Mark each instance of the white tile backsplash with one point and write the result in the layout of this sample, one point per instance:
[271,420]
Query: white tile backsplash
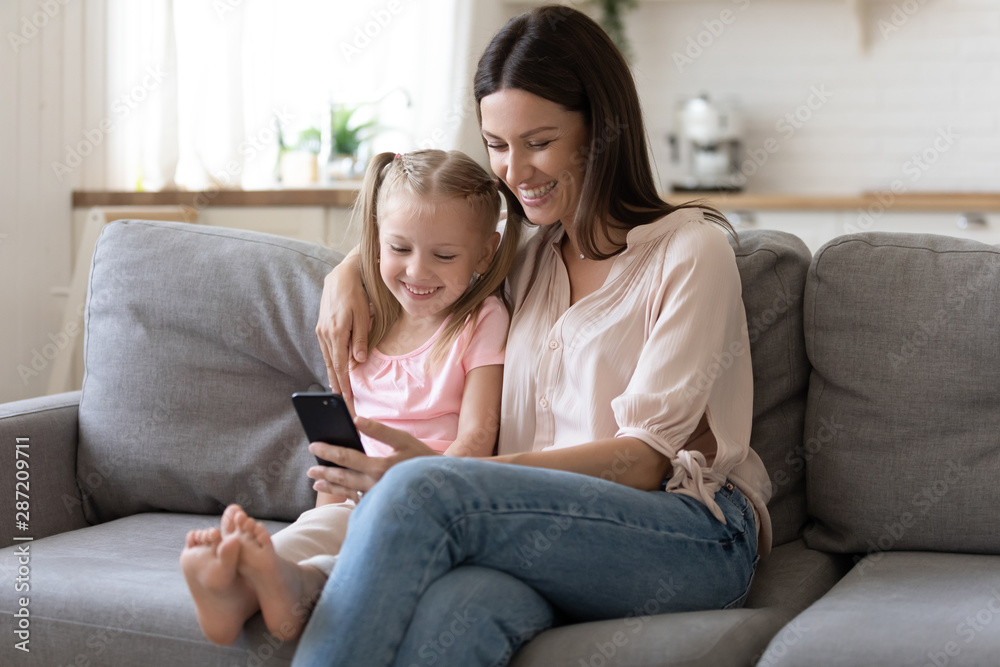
[940,69]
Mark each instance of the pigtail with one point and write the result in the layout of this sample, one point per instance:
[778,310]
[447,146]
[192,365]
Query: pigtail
[486,198]
[385,305]
[510,242]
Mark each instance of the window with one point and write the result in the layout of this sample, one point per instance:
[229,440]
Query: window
[201,87]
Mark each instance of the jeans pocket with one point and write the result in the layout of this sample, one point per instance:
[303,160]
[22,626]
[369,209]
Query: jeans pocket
[735,498]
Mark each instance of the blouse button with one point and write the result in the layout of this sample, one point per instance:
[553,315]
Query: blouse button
[543,402]
[553,344]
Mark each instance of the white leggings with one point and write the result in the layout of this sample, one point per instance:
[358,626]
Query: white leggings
[315,537]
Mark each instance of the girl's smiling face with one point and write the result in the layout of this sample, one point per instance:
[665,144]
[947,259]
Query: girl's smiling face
[537,148]
[428,251]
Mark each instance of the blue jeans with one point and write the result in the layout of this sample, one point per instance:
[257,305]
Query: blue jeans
[459,562]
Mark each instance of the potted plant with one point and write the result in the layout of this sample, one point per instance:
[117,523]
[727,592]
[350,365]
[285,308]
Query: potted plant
[346,137]
[612,20]
[298,163]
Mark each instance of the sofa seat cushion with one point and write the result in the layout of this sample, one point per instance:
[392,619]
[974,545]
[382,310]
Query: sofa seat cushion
[195,339]
[708,638]
[901,442]
[114,594]
[900,608]
[793,576]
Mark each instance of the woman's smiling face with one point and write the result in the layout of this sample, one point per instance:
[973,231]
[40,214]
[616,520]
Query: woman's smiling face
[538,148]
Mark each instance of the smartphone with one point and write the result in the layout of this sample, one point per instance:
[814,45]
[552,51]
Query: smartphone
[325,418]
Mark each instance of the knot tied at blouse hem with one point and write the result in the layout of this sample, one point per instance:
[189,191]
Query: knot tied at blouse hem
[692,474]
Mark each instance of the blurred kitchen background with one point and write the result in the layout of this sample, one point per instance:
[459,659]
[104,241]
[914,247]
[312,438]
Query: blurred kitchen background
[821,117]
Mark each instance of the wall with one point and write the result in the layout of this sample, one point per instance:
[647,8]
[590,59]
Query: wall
[939,70]
[931,73]
[52,78]
[916,108]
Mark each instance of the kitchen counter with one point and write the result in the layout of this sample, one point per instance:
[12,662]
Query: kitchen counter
[923,202]
[342,195]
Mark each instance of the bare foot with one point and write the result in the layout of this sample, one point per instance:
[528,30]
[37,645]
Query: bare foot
[224,599]
[285,590]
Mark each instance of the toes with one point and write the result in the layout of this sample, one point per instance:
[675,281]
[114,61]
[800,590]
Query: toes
[201,537]
[261,535]
[254,532]
[249,530]
[231,517]
[248,524]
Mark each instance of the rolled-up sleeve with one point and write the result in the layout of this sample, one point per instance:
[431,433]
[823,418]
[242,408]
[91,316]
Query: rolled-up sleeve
[694,360]
[662,343]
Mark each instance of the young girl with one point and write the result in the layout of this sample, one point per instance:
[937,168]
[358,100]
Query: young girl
[435,263]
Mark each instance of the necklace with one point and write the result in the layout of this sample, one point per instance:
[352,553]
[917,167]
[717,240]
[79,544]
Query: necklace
[565,243]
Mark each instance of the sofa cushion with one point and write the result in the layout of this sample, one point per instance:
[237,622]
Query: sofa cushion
[195,339]
[902,421]
[711,638]
[903,608]
[773,267]
[114,594]
[793,577]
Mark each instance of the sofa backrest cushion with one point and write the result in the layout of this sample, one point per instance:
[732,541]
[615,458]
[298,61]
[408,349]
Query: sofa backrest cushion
[773,267]
[902,422]
[195,339]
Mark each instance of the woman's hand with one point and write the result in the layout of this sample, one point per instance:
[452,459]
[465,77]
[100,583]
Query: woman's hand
[360,472]
[343,324]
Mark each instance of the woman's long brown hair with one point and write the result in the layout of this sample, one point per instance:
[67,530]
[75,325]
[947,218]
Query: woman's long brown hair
[560,54]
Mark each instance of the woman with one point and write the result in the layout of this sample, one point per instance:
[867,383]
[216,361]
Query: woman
[627,398]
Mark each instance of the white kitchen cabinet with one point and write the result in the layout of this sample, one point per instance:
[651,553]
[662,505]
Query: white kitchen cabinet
[945,224]
[329,226]
[814,227]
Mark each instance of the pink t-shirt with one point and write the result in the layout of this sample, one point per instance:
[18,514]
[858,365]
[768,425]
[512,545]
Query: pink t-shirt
[399,392]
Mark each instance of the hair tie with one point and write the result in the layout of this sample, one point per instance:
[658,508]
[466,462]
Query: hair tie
[496,182]
[398,155]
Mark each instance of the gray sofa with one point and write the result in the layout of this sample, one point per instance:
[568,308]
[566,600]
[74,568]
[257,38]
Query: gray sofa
[876,412]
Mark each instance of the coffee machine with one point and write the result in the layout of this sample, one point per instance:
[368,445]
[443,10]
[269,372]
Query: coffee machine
[705,146]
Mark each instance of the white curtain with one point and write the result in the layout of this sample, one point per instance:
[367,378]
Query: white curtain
[201,87]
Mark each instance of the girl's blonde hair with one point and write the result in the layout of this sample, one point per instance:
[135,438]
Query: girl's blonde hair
[441,175]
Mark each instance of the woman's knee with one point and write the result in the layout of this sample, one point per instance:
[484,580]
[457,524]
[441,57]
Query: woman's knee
[410,486]
[419,478]
[432,469]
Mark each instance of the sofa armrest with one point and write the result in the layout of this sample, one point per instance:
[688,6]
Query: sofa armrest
[43,433]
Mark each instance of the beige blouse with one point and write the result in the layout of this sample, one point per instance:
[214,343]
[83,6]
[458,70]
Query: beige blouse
[663,342]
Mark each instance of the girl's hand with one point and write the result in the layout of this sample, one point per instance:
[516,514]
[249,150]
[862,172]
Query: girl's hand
[360,472]
[343,313]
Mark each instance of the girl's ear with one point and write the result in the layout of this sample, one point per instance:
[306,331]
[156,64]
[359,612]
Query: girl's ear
[489,250]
